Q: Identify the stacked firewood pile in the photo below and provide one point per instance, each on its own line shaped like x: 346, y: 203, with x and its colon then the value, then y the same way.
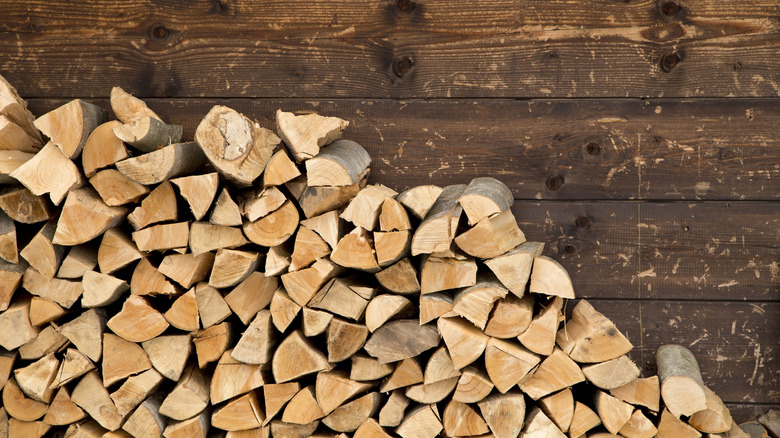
x: 250, y: 283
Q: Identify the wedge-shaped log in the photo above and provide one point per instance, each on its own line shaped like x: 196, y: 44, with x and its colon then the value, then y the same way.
x: 333, y: 389
x: 257, y: 341
x: 612, y: 373
x: 465, y: 342
x: 715, y: 418
x: 475, y: 303
x: 319, y: 200
x: 256, y: 204
x: 540, y: 336
x: 366, y: 369
x: 440, y: 274
x: 276, y: 395
x: 240, y: 413
x: 189, y: 397
x: 187, y: 269
x: 162, y: 237
x: 439, y: 367
x: 183, y: 313
x: 492, y: 236
x: 327, y: 226
x: 148, y: 133
x: 364, y: 209
x: 460, y: 419
x: 383, y: 308
x: 283, y: 309
x: 538, y: 425
x: 20, y: 406
x: 10, y: 278
x: 15, y: 327
x: 116, y: 251
x: 279, y: 169
x: 671, y: 426
x: 168, y: 354
x: 121, y: 359
x: 304, y: 135
x: 349, y: 417
x: 583, y: 420
x: 80, y: 259
x: 304, y: 284
x: 393, y: 216
x: 344, y: 339
x: 419, y: 200
x: 226, y: 211
x: 69, y: 126
x: 21, y: 205
x: 49, y: 340
x: 102, y: 148
x: 135, y: 390
x: 212, y: 342
x: 280, y: 428
x: 198, y: 191
x: 63, y: 292
x: 559, y: 408
x: 432, y: 392
x: 555, y: 372
x: 401, y: 339
x: 211, y: 305
x: 116, y: 189
x: 473, y: 386
x: 613, y: 412
x: 41, y: 253
x: 252, y: 295
x: 74, y: 365
x: 101, y: 289
x: 344, y: 297
x: 148, y: 280
x: 370, y: 429
x: 356, y: 251
x: 159, y: 206
x: 232, y: 378
x: 15, y: 108
x: 10, y: 161
x: 84, y: 217
x: 400, y: 278
x: 511, y: 317
x: 645, y: 392
x: 548, y: 277
x: 231, y: 267
x: 163, y: 164
x: 485, y: 197
x: 302, y: 408
x: 638, y: 426
x: 432, y: 306
x: 146, y: 420
x: 591, y: 337
x: 138, y: 321
x: 206, y: 237
x: 62, y: 411
x: 391, y: 246
x: 277, y: 260
x: 275, y: 228
x: 49, y: 171
x: 392, y: 413
x: 35, y: 379
x: 422, y: 422
x: 127, y: 107
x: 295, y: 357
x: 508, y: 363
x: 682, y: 388
x: 436, y: 232
x: 309, y: 246
x: 86, y: 333
x: 92, y: 396
x: 406, y: 373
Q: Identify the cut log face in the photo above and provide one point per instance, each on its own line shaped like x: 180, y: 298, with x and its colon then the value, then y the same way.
x: 540, y: 335
x: 101, y: 289
x: 279, y: 169
x: 440, y: 274
x: 344, y: 339
x: 138, y: 321
x: 590, y: 337
x: 492, y: 236
x: 84, y: 217
x: 163, y: 164
x: 135, y: 390
x: 432, y: 306
x: 19, y: 406
x: 465, y: 342
x: 333, y: 389
x: 583, y: 420
x: 206, y: 237
x: 276, y: 396
x: 275, y: 228
x: 356, y: 251
x: 508, y: 363
x: 189, y: 397
x: 391, y: 246
x: 252, y: 295
x: 400, y: 278
x: 327, y: 226
x: 538, y: 425
x: 116, y: 189
x: 232, y: 378
x: 304, y: 135
x: 198, y: 191
x: 211, y: 343
x: 80, y: 259
x: 406, y: 373
x: 670, y: 426
x: 92, y: 396
x: 401, y: 339
x: 613, y: 412
x: 121, y: 359
x: 62, y: 411
x: 348, y: 417
x: 432, y: 392
x: 504, y: 413
x: 283, y: 309
x: 74, y: 365
x: 422, y: 422
x: 682, y: 389
x: 49, y: 340
x: 69, y: 126
x: 240, y: 413
x: 256, y: 343
x: 63, y: 292
x: 14, y: 108
x: 612, y: 373
x: 715, y: 418
x: 392, y: 413
x: 460, y: 419
x: 550, y: 278
x: 162, y: 237
x: 86, y: 333
x: 116, y: 251
x: 226, y: 211
x: 485, y: 197
x: 339, y: 164
x: 383, y: 308
x: 21, y: 205
x: 146, y: 420
x: 211, y: 305
x: 159, y: 206
x: 231, y: 267
x: 556, y: 372
x: 10, y: 279
x: 365, y: 368
x: 419, y: 200
x: 341, y: 297
x: 645, y: 392
x: 148, y: 280
x: 559, y: 407
x: 436, y: 232
x: 127, y: 107
x: 364, y: 209
x: 295, y: 357
x: 10, y: 161
x: 511, y: 317
x: 169, y: 354
x: 277, y: 260
x: 638, y: 426
x: 304, y: 284
x: 35, y: 379
x: 309, y: 246
x: 473, y: 386
x: 41, y: 253
x: 148, y: 133
x: 256, y: 204
x: 475, y: 303
x: 49, y: 171
x: 187, y: 269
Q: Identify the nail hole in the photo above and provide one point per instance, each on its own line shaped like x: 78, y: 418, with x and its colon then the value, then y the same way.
x: 669, y: 62
x: 670, y: 9
x: 405, y: 6
x: 554, y: 182
x: 582, y: 222
x: 592, y: 148
x: 569, y: 249
x: 402, y: 66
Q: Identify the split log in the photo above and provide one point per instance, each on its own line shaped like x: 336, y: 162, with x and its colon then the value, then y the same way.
x: 282, y: 429
x: 475, y: 303
x: 28, y: 429
x: 189, y: 397
x: 162, y: 237
x: 159, y: 206
x: 447, y: 273
x: 49, y: 171
x: 127, y: 107
x: 465, y: 342
x: 21, y: 205
x: 92, y: 396
x: 540, y: 335
x: 771, y: 421
x: 613, y: 412
x: 638, y: 426
x: 84, y: 217
x: 511, y: 317
x: 135, y: 390
x: 392, y: 413
x: 211, y: 305
x: 121, y: 359
x: 232, y: 378
x: 538, y: 425
x: 163, y: 164
x: 590, y: 337
x: 49, y: 340
x: 315, y: 201
x: 555, y: 372
x: 645, y: 392
x: 344, y: 339
x: 399, y: 278
x: 80, y: 259
x: 8, y: 246
x: 10, y: 161
x: 309, y: 246
x: 583, y: 420
x: 391, y: 246
x: 276, y: 396
x: 333, y: 389
x: 304, y: 284
x: 240, y: 413
x: 393, y: 216
x: 199, y: 192
x: 507, y: 363
x: 195, y: 427
x: 559, y: 408
x: 344, y: 297
x: 252, y: 295
x: 401, y: 339
x: 612, y: 373
x: 35, y: 379
x: 406, y: 373
x: 682, y: 388
x: 432, y: 392
x: 256, y: 343
x: 436, y: 232
x: 356, y: 251
x: 753, y: 429
x: 492, y: 236
x: 148, y: 133
x: 187, y: 269
x: 277, y: 260
x: 383, y: 308
x: 460, y: 419
x: 237, y: 147
x: 283, y: 309
x: 15, y: 108
x: 116, y: 251
x: 485, y: 197
x: 146, y: 420
x: 63, y: 292
x: 168, y: 354
x: 206, y: 237
x: 226, y: 211
x: 422, y: 422
x: 102, y: 148
x: 101, y: 289
x: 714, y: 418
x: 419, y: 200
x: 7, y: 361
x: 327, y: 226
x: 370, y: 429
x: 548, y: 277
x: 138, y: 321
x: 19, y: 406
x: 86, y: 429
x: 69, y: 125
x: 74, y: 365
x: 315, y: 322
x: 255, y: 204
x: 304, y: 135
x: 348, y: 417
x: 473, y: 386
x: 41, y: 253
x: 275, y: 228
x: 231, y: 267
x: 116, y: 189
x: 86, y: 333
x: 148, y: 280
x: 364, y: 209
x: 10, y: 278
x: 296, y: 356
x: 366, y: 369
x: 212, y: 342
x: 43, y: 311
x: 62, y: 411
x: 435, y: 305
x: 279, y: 169
x: 504, y: 413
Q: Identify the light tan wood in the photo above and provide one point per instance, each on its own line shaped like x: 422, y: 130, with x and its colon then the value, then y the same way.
x: 189, y: 397
x: 366, y: 369
x: 682, y: 388
x: 80, y: 259
x: 460, y: 419
x: 21, y: 205
x: 771, y: 421
x: 400, y: 278
x: 275, y: 228
x: 318, y: 200
x: 162, y: 237
x: 283, y: 309
x: 750, y: 429
x: 475, y: 303
x: 296, y: 356
x: 135, y: 390
x: 348, y: 417
x: 421, y: 422
x: 148, y: 280
x: 538, y: 425
x: 304, y: 284
x: 356, y: 250
x: 645, y: 392
x: 511, y: 317
x: 327, y: 226
x: 391, y: 246
x: 407, y: 372
x: 43, y: 311
x: 90, y: 395
x: 419, y: 200
x: 638, y: 426
x: 116, y: 189
x: 206, y: 237
x: 258, y: 203
x: 485, y: 197
x: 15, y: 108
x: 116, y: 251
x: 590, y: 337
x: 127, y: 107
x: 27, y: 429
x: 232, y: 378
x: 440, y: 274
x: 279, y: 169
x: 49, y: 171
x: 69, y: 125
x: 613, y: 412
x: 715, y: 418
x: 10, y: 160
x: 309, y: 246
x: 195, y: 427
x: 277, y: 260
x: 670, y: 426
x: 199, y: 192
x: 612, y: 373
x: 343, y: 297
x: 10, y: 279
x: 41, y: 253
x: 465, y: 342
x: 231, y: 267
x: 364, y: 209
x: 212, y: 342
x: 102, y: 148
x: 548, y: 277
x: 62, y: 411
x: 583, y: 420
x: 555, y: 372
x: 315, y: 322
x: 492, y: 236
x: 383, y: 308
x: 146, y: 420
x: 7, y: 362
x: 370, y: 429
x: 74, y: 365
x: 86, y: 333
x: 333, y: 389
x: 35, y: 379
x: 159, y: 206
x: 147, y: 133
x: 49, y: 340
x: 252, y: 295
x: 344, y: 339
x: 436, y: 232
x: 392, y: 413
x: 211, y: 305
x: 432, y: 392
x: 540, y: 336
x: 121, y: 359
x: 240, y: 413
x: 138, y: 321
x: 187, y: 269
x: 305, y: 134
x: 8, y: 245
x: 559, y: 408
x: 162, y: 164
x: 276, y: 396
x: 508, y: 363
x: 86, y: 429
x: 434, y: 305
x: 439, y: 367
x: 256, y: 343
x: 226, y: 211
x: 63, y: 292
x: 473, y: 386
x: 401, y: 339
x: 393, y: 216
x: 101, y: 289
x: 20, y: 406
x: 339, y: 164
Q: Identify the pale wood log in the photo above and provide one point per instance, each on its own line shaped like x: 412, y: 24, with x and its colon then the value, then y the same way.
x: 473, y: 386
x: 297, y: 187
x: 465, y: 342
x: 492, y: 236
x: 86, y: 429
x: 421, y: 422
x: 240, y: 413
x: 8, y: 246
x: 439, y: 367
x: 101, y: 289
x: 212, y: 342
x: 187, y: 269
x: 540, y: 336
x: 148, y: 280
x: 146, y: 420
x: 370, y: 429
x: 27, y: 429
x: 43, y: 311
x: 92, y: 396
x: 10, y: 161
x: 436, y: 232
x: 327, y: 226
x: 344, y: 297
x: 206, y: 237
x: 168, y: 354
x: 189, y: 397
x: 138, y: 321
x: 49, y: 171
x: 366, y: 369
x: 391, y: 246
x: 475, y: 303
x: 237, y: 147
x: 555, y: 372
x: 80, y: 259
x: 288, y: 430
x: 276, y: 396
x: 771, y: 421
x: 333, y: 388
x: 401, y: 339
x: 49, y: 340
x: 344, y: 339
x: 392, y: 413
x: 714, y: 418
x: 613, y: 412
x: 21, y: 205
x: 69, y: 125
x: 116, y: 251
x: 127, y: 107
x: 440, y: 274
x: 277, y: 260
x: 102, y: 148
x: 20, y: 406
x: 7, y: 362
x: 393, y: 216
x: 35, y: 379
x: 318, y: 200
x: 62, y: 411
x: 199, y: 192
x: 612, y: 373
x: 432, y: 392
x: 638, y: 426
x: 508, y: 363
x: 135, y: 390
x: 583, y: 420
x: 121, y: 359
x: 434, y: 305
x: 10, y: 279
x: 645, y: 392
x: 195, y: 427
x: 364, y: 209
x: 275, y: 228
x: 163, y: 164
x: 407, y: 372
x: 559, y: 408
x: 339, y: 164
x: 590, y: 337
x: 15, y: 108
x: 304, y: 135
x: 356, y: 250
x: 41, y: 253
x: 283, y: 309
x: 86, y: 333
x: 383, y: 308
x: 159, y: 206
x: 550, y: 278
x: 15, y: 326
x: 63, y: 292
x: 256, y: 204
x: 231, y: 267
x: 753, y: 429
x: 162, y: 237
x: 296, y: 356
x: 348, y: 417
x: 682, y: 389
x: 538, y: 425
x: 399, y: 278
x: 232, y: 378
x: 419, y: 200
x: 116, y: 189
x: 309, y: 246
x: 738, y: 431
x: 304, y: 284
x: 84, y: 217
x: 147, y: 133
x: 252, y: 295
x: 279, y: 169
x: 315, y: 322
x: 256, y: 343
x: 485, y: 197
x: 511, y: 317
x: 212, y: 307
x: 226, y: 211
x: 460, y: 419
x: 74, y: 365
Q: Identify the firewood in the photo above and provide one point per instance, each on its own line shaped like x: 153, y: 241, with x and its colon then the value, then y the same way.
x: 309, y: 246
x: 8, y: 246
x: 148, y: 280
x: 315, y: 322
x: 86, y: 333
x: 158, y: 206
x: 240, y: 413
x: 754, y: 429
x: 475, y: 303
x: 206, y: 237
x: 116, y: 251
x: 339, y: 164
x: 20, y: 406
x: 555, y: 372
x: 434, y: 305
x: 737, y: 431
x: 370, y: 429
x: 289, y: 430
x: 508, y: 363
x: 559, y: 408
x: 231, y: 267
x: 147, y: 133
x: 392, y: 413
x: 80, y: 259
x: 771, y: 421
x: 391, y: 246
x: 49, y: 171
x: 187, y: 269
x: 7, y: 361
x: 252, y: 295
x: 101, y: 289
x: 277, y: 260
x: 232, y: 378
x: 613, y: 412
x: 74, y: 365
x: 540, y: 336
x: 41, y: 253
x: 327, y: 226
x: 422, y: 422
x: 538, y: 425
x: 35, y: 379
x: 550, y: 278
x: 63, y: 292
x: 87, y: 429
x: 612, y: 373
x: 15, y: 108
x: 28, y: 429
x: 401, y: 339
x: 62, y: 411
x: 256, y: 204
x: 138, y: 321
x: 473, y: 386
x: 198, y: 191
x: 302, y: 408
x: 296, y: 356
x: 364, y: 209
x: 399, y: 278
x: 344, y: 339
x: 21, y: 205
x: 135, y: 390
x: 356, y: 251
x: 49, y: 340
x: 348, y: 417
x: 128, y: 107
x: 583, y: 420
x: 116, y: 189
x: 121, y: 359
x: 90, y: 395
x: 365, y: 368
x: 318, y: 200
x: 492, y: 236
x: 43, y: 311
x: 333, y: 389
x: 162, y: 237
x: 638, y: 426
x: 189, y: 397
x: 102, y: 148
x: 10, y: 278
x: 439, y: 367
x: 163, y: 164
x: 407, y: 372
x: 590, y: 337
x: 276, y: 396
x: 168, y: 354
x: 84, y: 217
x: 447, y: 273
x: 383, y: 308
x: 419, y: 200
x: 511, y: 317
x: 436, y: 232
x: 682, y: 388
x: 432, y: 392
x: 485, y: 197
x: 714, y: 418
x: 304, y: 135
x: 343, y: 297
x: 645, y: 392
x: 255, y: 345
x: 10, y: 161
x: 460, y: 419
x: 212, y: 342
x: 393, y: 216
x: 283, y: 309
x: 211, y: 305
x: 226, y: 211
x: 69, y: 125
x: 465, y: 342
x: 304, y: 284
x: 279, y: 169
x: 275, y: 228
x: 146, y: 420
x: 195, y: 427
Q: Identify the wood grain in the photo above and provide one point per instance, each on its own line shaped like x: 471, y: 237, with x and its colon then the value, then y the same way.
x: 375, y: 49
x: 619, y: 149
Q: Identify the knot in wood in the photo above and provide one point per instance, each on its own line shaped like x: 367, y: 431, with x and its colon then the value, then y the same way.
x: 669, y: 62
x: 554, y: 183
x: 402, y: 66
x: 405, y: 6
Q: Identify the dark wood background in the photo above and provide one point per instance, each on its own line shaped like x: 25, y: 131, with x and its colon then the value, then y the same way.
x: 641, y: 138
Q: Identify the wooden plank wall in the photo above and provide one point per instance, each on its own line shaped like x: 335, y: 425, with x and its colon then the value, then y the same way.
x: 641, y: 138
